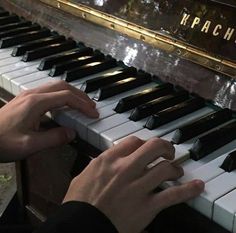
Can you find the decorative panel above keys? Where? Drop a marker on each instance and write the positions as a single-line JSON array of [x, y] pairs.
[[194, 78], [167, 17]]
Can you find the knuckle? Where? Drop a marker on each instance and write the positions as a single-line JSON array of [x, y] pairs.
[[122, 165], [67, 92], [154, 141], [120, 168], [106, 155], [25, 143], [30, 99], [104, 159], [168, 146], [60, 83], [25, 93], [134, 140], [115, 166]]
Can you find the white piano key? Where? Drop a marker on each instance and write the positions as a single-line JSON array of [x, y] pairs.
[[206, 172], [182, 150], [80, 122], [146, 134], [17, 83], [214, 189], [5, 54], [224, 211], [108, 137], [36, 83], [9, 61], [17, 66], [95, 129], [183, 156], [8, 77], [190, 164], [6, 50]]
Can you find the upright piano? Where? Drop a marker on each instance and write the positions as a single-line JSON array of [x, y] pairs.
[[161, 68]]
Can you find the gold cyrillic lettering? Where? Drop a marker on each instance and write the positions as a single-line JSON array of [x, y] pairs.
[[216, 30], [184, 19], [229, 33], [206, 26], [196, 21]]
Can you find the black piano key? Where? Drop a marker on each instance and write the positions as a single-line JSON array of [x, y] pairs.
[[135, 100], [8, 19], [89, 69], [202, 125], [49, 62], [17, 31], [75, 63], [15, 25], [213, 141], [174, 112], [4, 13], [158, 104], [22, 49], [96, 83], [229, 164], [22, 38], [121, 86], [48, 50]]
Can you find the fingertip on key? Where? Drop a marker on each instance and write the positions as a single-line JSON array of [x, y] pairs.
[[198, 184]]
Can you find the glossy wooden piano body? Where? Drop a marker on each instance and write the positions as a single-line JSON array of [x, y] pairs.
[[207, 69]]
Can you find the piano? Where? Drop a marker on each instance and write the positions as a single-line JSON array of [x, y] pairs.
[[155, 68]]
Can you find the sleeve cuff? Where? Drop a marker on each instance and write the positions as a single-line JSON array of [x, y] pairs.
[[79, 217]]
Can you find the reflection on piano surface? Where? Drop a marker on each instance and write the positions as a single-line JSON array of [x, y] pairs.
[[133, 102]]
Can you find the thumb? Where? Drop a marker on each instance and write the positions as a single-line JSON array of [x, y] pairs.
[[51, 138]]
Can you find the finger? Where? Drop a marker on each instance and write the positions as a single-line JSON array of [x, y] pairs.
[[164, 171], [125, 147], [152, 150], [55, 86], [50, 101], [177, 194], [51, 138]]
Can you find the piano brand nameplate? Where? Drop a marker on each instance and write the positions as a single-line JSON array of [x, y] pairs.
[[201, 31]]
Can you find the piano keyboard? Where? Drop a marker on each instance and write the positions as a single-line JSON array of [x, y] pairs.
[[130, 102]]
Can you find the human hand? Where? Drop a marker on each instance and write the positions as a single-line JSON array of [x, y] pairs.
[[20, 134], [120, 185]]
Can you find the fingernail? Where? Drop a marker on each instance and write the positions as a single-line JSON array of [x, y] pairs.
[[71, 134]]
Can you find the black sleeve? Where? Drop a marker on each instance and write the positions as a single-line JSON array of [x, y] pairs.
[[77, 217]]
